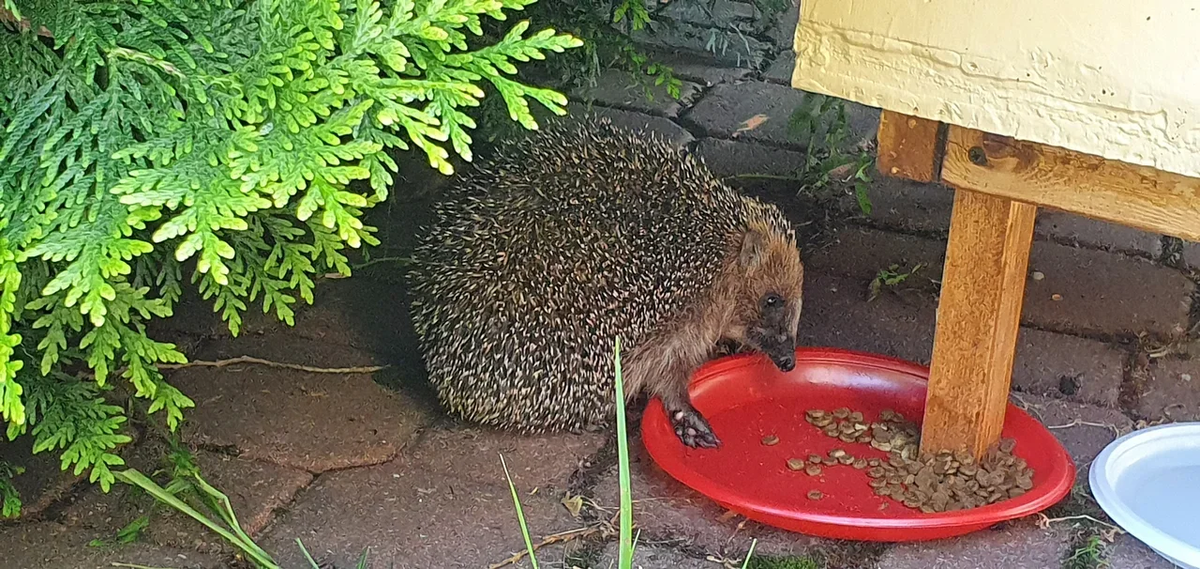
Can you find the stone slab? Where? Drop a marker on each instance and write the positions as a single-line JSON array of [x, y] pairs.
[[907, 205], [1190, 256], [860, 253], [728, 47], [836, 314], [723, 110], [309, 421], [783, 33], [1078, 230], [1104, 293], [727, 158], [718, 13], [617, 88], [686, 67], [1101, 293], [255, 490], [780, 70], [901, 324], [415, 513], [652, 557], [1019, 545], [663, 127], [44, 481], [1126, 552], [1070, 367], [48, 545], [1084, 430], [1172, 390], [669, 512]]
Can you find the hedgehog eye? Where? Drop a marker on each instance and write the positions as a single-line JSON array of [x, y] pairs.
[[772, 300]]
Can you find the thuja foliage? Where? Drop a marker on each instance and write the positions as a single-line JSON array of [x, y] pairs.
[[230, 145]]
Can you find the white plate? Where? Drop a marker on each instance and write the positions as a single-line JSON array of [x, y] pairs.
[[1149, 483]]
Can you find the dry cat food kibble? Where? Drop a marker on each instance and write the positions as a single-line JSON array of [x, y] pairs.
[[947, 481], [815, 495], [795, 464], [770, 440]]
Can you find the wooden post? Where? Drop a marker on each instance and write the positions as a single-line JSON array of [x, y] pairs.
[[909, 147], [983, 284]]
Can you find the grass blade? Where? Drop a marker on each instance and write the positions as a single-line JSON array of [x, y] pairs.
[[307, 556], [520, 514], [746, 563], [625, 557], [138, 479]]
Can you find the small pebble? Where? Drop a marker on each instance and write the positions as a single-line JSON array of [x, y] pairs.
[[1038, 275]]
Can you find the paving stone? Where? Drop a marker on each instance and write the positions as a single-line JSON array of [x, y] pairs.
[[724, 110], [669, 512], [719, 13], [860, 253], [836, 314], [1191, 255], [48, 545], [417, 513], [663, 127], [651, 557], [1104, 293], [726, 47], [1075, 229], [685, 66], [1062, 366], [783, 33], [901, 324], [1126, 552], [616, 88], [44, 481], [1090, 428], [781, 69], [1019, 546], [732, 158], [1172, 390], [907, 205], [309, 421], [255, 490]]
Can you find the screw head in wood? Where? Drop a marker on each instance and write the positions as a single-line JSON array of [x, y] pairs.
[[977, 156]]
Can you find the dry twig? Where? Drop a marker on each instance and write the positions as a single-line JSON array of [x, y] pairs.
[[561, 537], [269, 363]]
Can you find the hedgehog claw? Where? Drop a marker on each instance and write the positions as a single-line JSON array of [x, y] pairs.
[[693, 430]]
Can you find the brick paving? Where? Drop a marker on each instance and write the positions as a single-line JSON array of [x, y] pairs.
[[351, 461]]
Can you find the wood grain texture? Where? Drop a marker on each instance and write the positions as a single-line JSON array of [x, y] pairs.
[[909, 147], [1135, 196], [983, 284]]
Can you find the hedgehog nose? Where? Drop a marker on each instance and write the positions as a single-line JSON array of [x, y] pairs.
[[787, 363]]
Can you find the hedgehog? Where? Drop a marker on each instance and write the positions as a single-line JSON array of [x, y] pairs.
[[537, 259]]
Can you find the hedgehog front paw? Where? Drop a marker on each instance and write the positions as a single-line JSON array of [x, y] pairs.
[[693, 429]]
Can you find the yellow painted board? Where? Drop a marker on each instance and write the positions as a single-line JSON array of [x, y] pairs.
[[1112, 78]]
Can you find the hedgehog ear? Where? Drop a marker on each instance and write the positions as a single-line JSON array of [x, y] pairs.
[[754, 247]]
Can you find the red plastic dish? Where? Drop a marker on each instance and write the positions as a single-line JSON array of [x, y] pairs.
[[746, 398]]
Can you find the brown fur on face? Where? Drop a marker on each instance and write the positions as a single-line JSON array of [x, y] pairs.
[[764, 287], [761, 262]]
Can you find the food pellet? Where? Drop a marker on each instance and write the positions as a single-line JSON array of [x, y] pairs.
[[813, 470], [815, 495], [795, 464], [948, 480], [770, 440]]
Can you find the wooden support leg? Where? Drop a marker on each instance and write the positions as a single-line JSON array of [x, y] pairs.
[[983, 285]]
